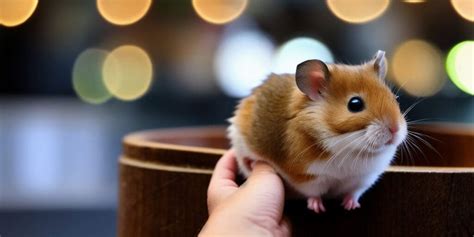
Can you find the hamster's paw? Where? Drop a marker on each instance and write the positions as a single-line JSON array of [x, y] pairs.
[[249, 163], [316, 204], [350, 203]]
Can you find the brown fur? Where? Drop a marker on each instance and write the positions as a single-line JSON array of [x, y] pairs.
[[362, 80], [280, 124]]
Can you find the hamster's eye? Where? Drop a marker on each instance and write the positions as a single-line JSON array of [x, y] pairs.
[[356, 104]]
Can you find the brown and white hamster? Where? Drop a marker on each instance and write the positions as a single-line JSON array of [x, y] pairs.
[[329, 130]]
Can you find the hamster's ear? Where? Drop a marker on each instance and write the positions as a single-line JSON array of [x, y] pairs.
[[311, 77], [380, 64]]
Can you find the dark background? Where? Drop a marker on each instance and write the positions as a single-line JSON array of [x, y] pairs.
[[58, 154]]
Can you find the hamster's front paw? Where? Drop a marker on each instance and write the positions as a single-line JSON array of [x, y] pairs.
[[316, 204], [350, 202], [249, 163]]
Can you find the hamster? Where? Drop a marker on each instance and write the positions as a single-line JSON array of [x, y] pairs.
[[329, 130]]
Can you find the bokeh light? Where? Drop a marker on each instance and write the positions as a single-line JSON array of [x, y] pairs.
[[127, 72], [243, 61], [219, 11], [192, 58], [297, 50], [123, 12], [465, 8], [460, 66], [417, 67], [15, 12], [87, 76], [414, 1], [358, 11]]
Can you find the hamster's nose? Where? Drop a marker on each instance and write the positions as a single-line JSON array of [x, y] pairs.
[[394, 129]]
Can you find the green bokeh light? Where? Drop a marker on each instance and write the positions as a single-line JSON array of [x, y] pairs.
[[87, 76], [460, 66]]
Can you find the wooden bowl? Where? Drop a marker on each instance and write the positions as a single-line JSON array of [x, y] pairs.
[[164, 176]]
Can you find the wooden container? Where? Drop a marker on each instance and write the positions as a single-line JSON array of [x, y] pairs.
[[164, 176]]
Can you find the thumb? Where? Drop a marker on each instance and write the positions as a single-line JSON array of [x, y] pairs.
[[266, 189], [261, 168], [264, 178]]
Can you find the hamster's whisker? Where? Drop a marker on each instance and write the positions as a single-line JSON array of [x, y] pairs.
[[412, 106], [355, 158], [366, 157], [418, 121], [364, 148], [399, 88], [335, 155], [368, 154], [304, 150], [337, 135], [413, 143], [358, 157], [401, 151], [406, 150], [319, 143], [344, 139], [301, 153], [424, 135], [348, 153], [418, 136], [413, 153]]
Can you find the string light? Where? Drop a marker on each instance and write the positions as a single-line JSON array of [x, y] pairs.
[[87, 76], [127, 72], [358, 11], [16, 12], [298, 50], [123, 12], [414, 1], [465, 8], [243, 61], [219, 11], [417, 67]]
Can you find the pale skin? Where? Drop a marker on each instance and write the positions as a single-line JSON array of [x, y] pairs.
[[253, 209]]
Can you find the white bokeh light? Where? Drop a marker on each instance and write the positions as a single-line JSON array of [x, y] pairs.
[[243, 61], [298, 50]]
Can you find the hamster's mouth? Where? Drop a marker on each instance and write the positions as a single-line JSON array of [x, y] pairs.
[[391, 141]]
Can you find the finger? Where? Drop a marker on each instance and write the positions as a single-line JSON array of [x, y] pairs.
[[284, 229], [261, 167], [266, 189], [222, 182], [225, 170], [262, 173]]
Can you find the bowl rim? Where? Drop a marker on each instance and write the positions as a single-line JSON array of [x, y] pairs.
[[138, 140]]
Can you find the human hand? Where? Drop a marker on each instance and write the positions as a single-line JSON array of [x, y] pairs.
[[253, 209]]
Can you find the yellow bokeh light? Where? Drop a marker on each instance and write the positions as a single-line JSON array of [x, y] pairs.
[[219, 11], [417, 66], [127, 72], [15, 12], [123, 12], [358, 11], [414, 1], [465, 8], [87, 76]]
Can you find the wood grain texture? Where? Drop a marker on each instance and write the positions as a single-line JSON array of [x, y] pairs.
[[164, 176]]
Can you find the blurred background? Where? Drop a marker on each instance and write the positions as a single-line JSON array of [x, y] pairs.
[[76, 76]]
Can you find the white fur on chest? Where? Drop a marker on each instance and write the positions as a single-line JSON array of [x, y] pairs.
[[352, 163], [347, 173]]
